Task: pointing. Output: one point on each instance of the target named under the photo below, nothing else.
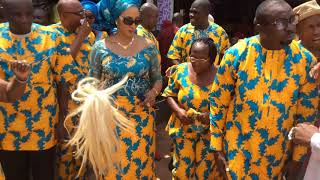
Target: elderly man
(309, 33)
(199, 26)
(308, 27)
(75, 30)
(262, 89)
(149, 18)
(77, 36)
(30, 127)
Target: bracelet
(19, 81)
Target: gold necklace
(125, 47)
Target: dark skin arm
(150, 96)
(13, 90)
(301, 135)
(204, 118)
(304, 132)
(82, 33)
(291, 170)
(179, 112)
(222, 164)
(63, 98)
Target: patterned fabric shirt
(28, 124)
(100, 36)
(143, 68)
(257, 97)
(68, 38)
(143, 32)
(183, 39)
(189, 96)
(82, 61)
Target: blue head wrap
(108, 11)
(91, 6)
(112, 9)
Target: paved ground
(163, 143)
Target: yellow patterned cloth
(100, 35)
(137, 148)
(143, 32)
(67, 38)
(68, 166)
(181, 44)
(192, 154)
(257, 97)
(29, 123)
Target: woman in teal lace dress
(121, 54)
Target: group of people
(241, 112)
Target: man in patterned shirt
(79, 38)
(76, 36)
(262, 89)
(149, 18)
(199, 26)
(30, 127)
(308, 28)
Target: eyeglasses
(81, 13)
(196, 60)
(127, 20)
(282, 23)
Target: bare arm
(83, 32)
(173, 105)
(178, 111)
(13, 90)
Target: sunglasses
(127, 20)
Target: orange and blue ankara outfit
(68, 166)
(192, 155)
(136, 148)
(257, 97)
(181, 44)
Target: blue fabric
(143, 68)
(99, 20)
(108, 11)
(91, 6)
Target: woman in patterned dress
(121, 54)
(188, 97)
